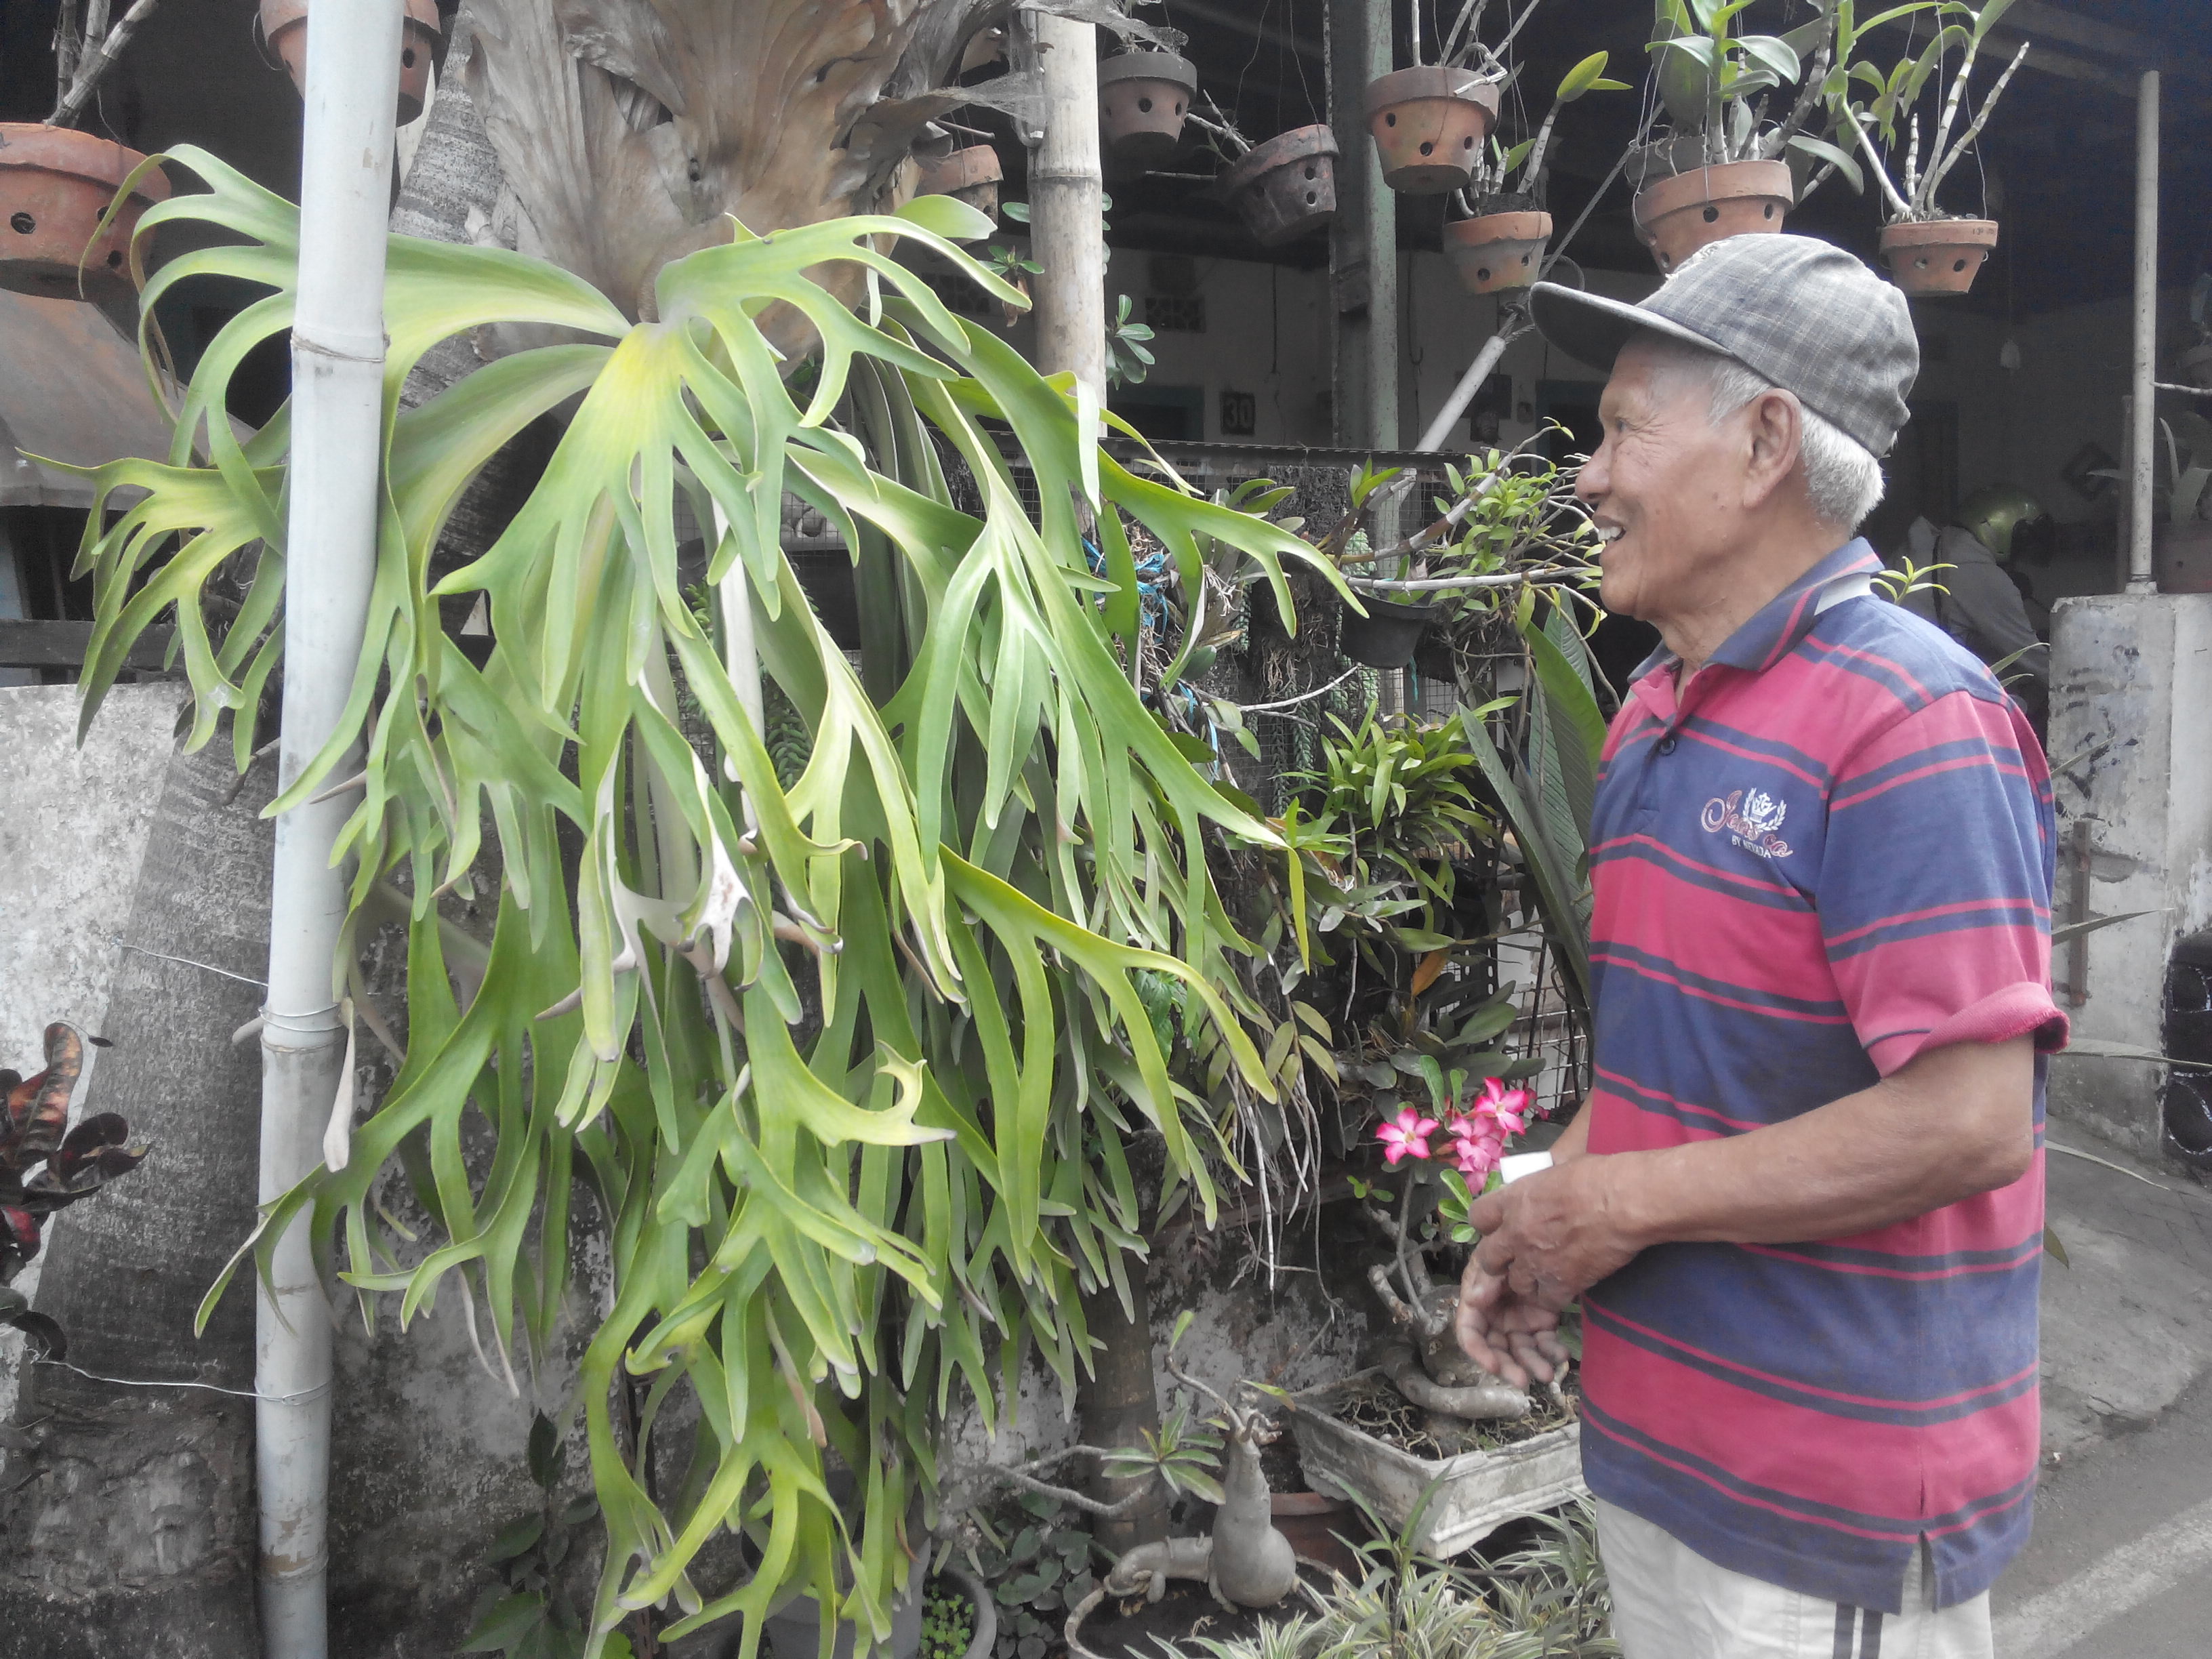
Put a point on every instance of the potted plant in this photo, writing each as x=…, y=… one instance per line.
x=1143, y=96
x=283, y=25
x=970, y=173
x=1717, y=172
x=1501, y=245
x=1927, y=251
x=63, y=235
x=1285, y=188
x=57, y=238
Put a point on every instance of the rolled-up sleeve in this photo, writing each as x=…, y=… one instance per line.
x=1936, y=881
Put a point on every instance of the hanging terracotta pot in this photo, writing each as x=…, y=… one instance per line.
x=55, y=184
x=1676, y=216
x=1142, y=98
x=1937, y=255
x=284, y=27
x=1429, y=124
x=1286, y=186
x=970, y=175
x=1495, y=251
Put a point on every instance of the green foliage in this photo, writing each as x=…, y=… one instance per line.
x=1709, y=71
x=1127, y=360
x=1895, y=111
x=1039, y=1568
x=1548, y=1602
x=948, y=1625
x=852, y=1065
x=529, y=1613
x=1186, y=1453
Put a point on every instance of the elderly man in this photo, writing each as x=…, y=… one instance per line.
x=1803, y=1206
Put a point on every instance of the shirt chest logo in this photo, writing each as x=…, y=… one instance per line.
x=1749, y=820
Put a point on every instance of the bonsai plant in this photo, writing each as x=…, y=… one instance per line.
x=1718, y=172
x=1500, y=244
x=1928, y=250
x=57, y=238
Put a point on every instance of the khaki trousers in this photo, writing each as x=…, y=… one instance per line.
x=1669, y=1602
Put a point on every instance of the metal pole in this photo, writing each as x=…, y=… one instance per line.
x=2143, y=414
x=337, y=375
x=1066, y=225
x=1470, y=383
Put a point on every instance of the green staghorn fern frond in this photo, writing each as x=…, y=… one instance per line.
x=870, y=1047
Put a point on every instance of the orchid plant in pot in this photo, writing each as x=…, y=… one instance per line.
x=1720, y=170
x=1430, y=122
x=1928, y=250
x=1500, y=244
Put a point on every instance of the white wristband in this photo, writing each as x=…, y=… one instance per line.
x=1510, y=1169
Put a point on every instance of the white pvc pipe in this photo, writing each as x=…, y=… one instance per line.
x=1469, y=384
x=337, y=371
x=2143, y=413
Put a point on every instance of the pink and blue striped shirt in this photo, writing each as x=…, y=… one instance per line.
x=1830, y=851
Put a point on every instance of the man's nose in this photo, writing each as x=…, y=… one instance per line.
x=1592, y=481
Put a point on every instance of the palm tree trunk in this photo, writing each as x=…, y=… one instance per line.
x=131, y=1520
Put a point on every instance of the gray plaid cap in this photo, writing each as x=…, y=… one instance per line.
x=1801, y=313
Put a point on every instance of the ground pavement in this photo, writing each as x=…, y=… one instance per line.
x=2120, y=1566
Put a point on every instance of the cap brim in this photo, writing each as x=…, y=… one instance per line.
x=1592, y=329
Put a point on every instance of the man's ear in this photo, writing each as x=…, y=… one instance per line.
x=1774, y=426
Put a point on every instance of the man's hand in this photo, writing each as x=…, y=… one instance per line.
x=1503, y=1334
x=1545, y=1239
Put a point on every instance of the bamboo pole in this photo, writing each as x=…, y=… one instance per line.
x=337, y=392
x=1066, y=229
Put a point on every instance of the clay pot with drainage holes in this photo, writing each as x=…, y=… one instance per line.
x=969, y=175
x=1429, y=125
x=1286, y=186
x=1495, y=251
x=1937, y=255
x=55, y=184
x=1676, y=216
x=1142, y=98
x=422, y=38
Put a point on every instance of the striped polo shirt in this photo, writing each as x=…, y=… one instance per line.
x=1830, y=851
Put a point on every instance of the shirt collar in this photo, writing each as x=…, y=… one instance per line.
x=1785, y=620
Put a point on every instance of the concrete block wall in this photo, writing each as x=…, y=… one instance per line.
x=2132, y=730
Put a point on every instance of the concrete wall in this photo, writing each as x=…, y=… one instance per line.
x=69, y=845
x=2133, y=677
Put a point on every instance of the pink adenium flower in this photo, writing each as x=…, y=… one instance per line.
x=1405, y=1136
x=1509, y=1107
x=1478, y=1135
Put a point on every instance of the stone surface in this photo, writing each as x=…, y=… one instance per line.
x=2131, y=683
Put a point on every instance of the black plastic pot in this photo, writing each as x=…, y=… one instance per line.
x=1387, y=636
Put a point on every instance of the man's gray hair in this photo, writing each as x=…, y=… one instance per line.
x=1841, y=474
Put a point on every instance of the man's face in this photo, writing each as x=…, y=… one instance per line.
x=1666, y=483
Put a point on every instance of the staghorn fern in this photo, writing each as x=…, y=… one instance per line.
x=974, y=863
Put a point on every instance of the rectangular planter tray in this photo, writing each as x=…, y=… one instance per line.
x=1476, y=1492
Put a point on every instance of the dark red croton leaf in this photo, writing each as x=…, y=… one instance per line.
x=38, y=1106
x=94, y=1153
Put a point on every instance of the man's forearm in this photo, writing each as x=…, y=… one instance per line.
x=1953, y=1123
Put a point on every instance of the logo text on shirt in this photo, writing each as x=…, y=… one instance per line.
x=1749, y=820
